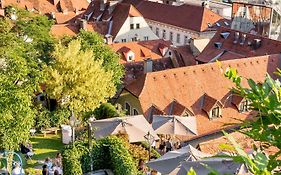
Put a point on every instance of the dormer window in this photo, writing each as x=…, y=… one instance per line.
x=212, y=106
x=130, y=56
x=216, y=112
x=244, y=106
x=135, y=112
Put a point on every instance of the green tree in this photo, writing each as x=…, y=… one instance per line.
x=20, y=76
x=77, y=80
x=107, y=110
x=110, y=59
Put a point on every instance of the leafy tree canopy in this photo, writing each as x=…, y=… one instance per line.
x=77, y=80
x=110, y=60
x=20, y=74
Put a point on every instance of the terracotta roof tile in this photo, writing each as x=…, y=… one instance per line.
x=246, y=143
x=47, y=6
x=71, y=29
x=188, y=84
x=186, y=16
x=236, y=100
x=141, y=49
x=176, y=108
x=69, y=17
x=229, y=50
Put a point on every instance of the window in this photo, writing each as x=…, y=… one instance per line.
x=131, y=26
x=150, y=27
x=178, y=38
x=130, y=58
x=216, y=112
x=164, y=34
x=135, y=112
x=171, y=36
x=127, y=108
x=186, y=40
x=123, y=40
x=137, y=26
x=134, y=39
x=145, y=38
x=157, y=31
x=244, y=106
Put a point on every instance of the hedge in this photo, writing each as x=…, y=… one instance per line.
x=112, y=153
x=76, y=160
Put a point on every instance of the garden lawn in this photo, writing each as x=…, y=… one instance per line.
x=47, y=146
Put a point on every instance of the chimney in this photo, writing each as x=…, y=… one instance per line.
x=109, y=39
x=147, y=66
x=83, y=24
x=55, y=2
x=102, y=5
x=112, y=5
x=236, y=37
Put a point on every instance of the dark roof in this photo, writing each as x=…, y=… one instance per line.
x=225, y=49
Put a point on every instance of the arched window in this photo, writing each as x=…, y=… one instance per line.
x=135, y=112
x=127, y=108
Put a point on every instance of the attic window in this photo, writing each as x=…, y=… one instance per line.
x=209, y=25
x=130, y=58
x=216, y=112
x=244, y=106
x=218, y=24
x=226, y=23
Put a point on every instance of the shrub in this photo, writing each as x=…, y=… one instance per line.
x=111, y=152
x=75, y=160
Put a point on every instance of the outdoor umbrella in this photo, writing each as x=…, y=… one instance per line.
x=172, y=124
x=204, y=166
x=136, y=127
x=172, y=159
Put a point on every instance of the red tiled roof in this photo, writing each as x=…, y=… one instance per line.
x=62, y=18
x=59, y=30
x=186, y=16
x=47, y=6
x=176, y=108
x=230, y=50
x=246, y=143
x=141, y=49
x=118, y=16
x=236, y=100
x=189, y=84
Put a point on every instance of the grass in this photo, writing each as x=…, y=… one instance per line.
x=47, y=146
x=43, y=147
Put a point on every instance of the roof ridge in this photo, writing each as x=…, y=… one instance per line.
x=225, y=62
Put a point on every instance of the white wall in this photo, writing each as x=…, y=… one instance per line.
x=176, y=30
x=127, y=33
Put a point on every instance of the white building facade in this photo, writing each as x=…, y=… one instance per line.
x=135, y=29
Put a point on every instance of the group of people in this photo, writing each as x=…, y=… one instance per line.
x=53, y=166
x=168, y=145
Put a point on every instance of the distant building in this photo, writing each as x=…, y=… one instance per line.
x=180, y=23
x=228, y=44
x=258, y=19
x=125, y=23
